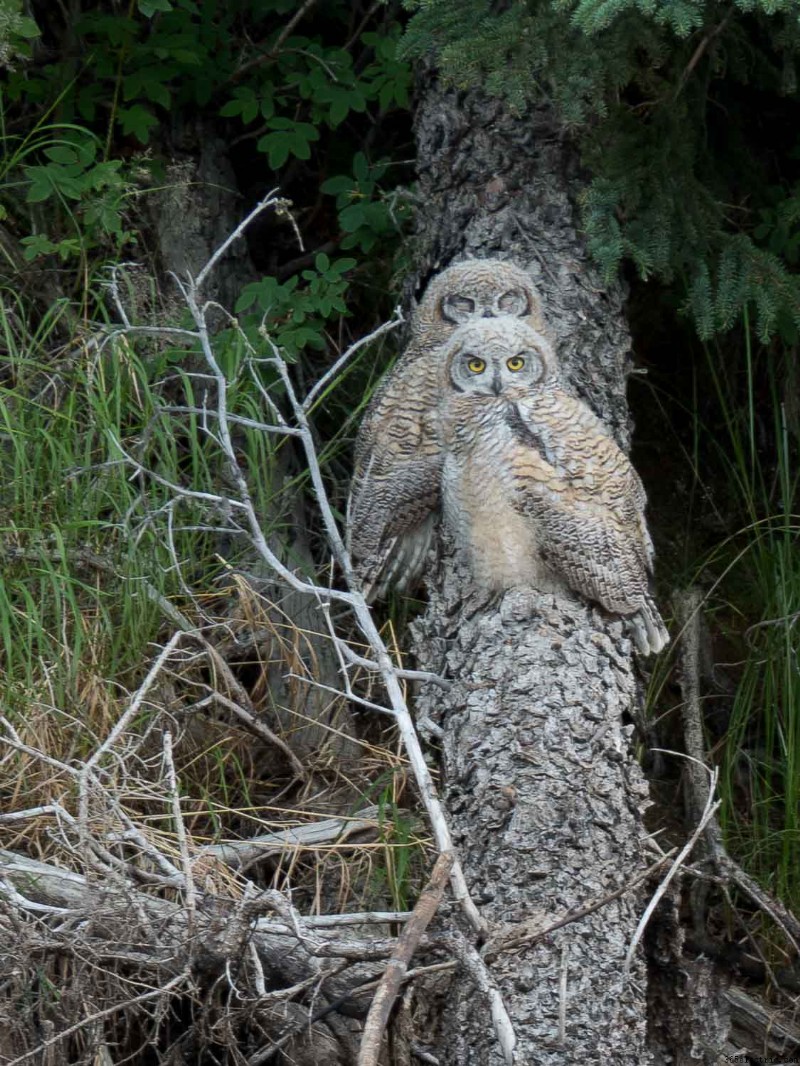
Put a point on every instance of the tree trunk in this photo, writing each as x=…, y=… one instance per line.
x=543, y=790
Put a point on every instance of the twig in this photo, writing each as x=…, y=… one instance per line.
x=562, y=993
x=261, y=730
x=397, y=967
x=236, y=420
x=711, y=809
x=180, y=832
x=698, y=52
x=270, y=200
x=282, y=36
x=14, y=741
x=344, y=695
x=524, y=936
x=244, y=710
x=351, y=351
x=405, y=675
x=474, y=965
x=120, y=727
x=179, y=490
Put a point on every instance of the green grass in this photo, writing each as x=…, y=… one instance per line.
x=94, y=552
x=88, y=558
x=756, y=605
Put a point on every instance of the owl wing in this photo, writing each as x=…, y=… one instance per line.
x=587, y=504
x=394, y=494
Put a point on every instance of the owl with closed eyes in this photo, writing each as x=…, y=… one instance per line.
x=395, y=494
x=534, y=489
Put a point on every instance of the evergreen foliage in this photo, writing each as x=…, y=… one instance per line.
x=675, y=106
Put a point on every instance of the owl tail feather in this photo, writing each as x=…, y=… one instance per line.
x=649, y=632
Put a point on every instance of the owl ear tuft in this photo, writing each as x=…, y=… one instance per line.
x=458, y=309
x=513, y=302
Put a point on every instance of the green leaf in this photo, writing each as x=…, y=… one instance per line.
x=41, y=184
x=26, y=27
x=341, y=183
x=37, y=245
x=138, y=121
x=352, y=218
x=277, y=147
x=62, y=153
x=267, y=103
x=244, y=103
x=341, y=266
x=87, y=152
x=339, y=110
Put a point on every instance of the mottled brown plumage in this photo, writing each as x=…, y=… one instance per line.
x=395, y=491
x=535, y=491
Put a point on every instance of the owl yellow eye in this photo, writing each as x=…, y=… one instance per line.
x=515, y=363
x=476, y=366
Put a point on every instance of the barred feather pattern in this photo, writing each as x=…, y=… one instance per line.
x=395, y=494
x=534, y=488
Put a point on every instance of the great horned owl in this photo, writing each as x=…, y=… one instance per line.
x=534, y=488
x=395, y=491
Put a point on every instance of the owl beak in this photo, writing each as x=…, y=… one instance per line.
x=496, y=383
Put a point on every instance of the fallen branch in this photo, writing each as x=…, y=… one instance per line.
x=239, y=853
x=397, y=967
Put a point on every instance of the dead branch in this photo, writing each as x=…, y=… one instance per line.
x=710, y=810
x=353, y=599
x=397, y=967
x=239, y=853
x=243, y=708
x=531, y=930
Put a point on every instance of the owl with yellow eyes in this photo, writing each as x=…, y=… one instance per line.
x=395, y=494
x=532, y=489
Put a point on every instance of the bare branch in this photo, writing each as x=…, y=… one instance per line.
x=122, y=724
x=237, y=420
x=180, y=831
x=710, y=810
x=397, y=967
x=244, y=710
x=333, y=370
x=270, y=200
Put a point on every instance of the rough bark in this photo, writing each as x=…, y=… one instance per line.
x=545, y=795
